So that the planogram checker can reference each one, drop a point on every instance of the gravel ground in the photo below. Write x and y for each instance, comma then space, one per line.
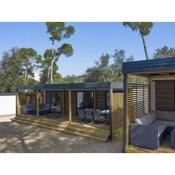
21, 138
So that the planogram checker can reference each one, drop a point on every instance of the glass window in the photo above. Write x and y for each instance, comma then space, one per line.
80, 100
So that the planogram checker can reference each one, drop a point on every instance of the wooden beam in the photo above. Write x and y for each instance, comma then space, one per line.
125, 113
18, 106
70, 105
62, 109
37, 103
111, 112
94, 93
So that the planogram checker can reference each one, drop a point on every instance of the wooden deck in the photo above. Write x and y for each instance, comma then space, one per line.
95, 131
164, 148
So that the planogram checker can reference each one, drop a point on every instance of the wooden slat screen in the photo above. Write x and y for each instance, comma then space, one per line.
138, 100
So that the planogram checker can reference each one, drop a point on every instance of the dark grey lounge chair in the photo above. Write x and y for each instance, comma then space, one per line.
148, 131
81, 114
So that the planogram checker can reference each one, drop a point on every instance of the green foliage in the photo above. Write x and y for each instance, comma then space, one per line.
143, 27
164, 52
12, 71
103, 71
59, 31
72, 79
29, 58
118, 58
119, 133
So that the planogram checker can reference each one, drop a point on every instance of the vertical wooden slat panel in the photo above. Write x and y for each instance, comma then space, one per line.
138, 100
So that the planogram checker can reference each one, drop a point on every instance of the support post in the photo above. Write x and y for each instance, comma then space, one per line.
44, 96
125, 113
111, 112
37, 103
70, 106
18, 106
94, 92
62, 102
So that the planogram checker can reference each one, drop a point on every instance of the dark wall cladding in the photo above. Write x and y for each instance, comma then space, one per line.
165, 95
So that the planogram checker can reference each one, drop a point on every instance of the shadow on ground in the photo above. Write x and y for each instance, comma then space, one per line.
21, 138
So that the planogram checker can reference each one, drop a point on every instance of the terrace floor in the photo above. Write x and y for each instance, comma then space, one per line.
165, 147
22, 138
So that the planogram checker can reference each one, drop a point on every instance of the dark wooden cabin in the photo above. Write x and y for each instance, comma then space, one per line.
68, 98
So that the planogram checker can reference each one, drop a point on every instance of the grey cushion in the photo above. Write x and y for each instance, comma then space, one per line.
161, 127
165, 115
147, 119
167, 123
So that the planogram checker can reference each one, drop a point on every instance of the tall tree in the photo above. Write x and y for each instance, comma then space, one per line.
119, 57
12, 71
28, 58
144, 28
164, 52
58, 31
101, 72
45, 62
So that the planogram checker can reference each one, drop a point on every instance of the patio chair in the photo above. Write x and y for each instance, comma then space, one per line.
81, 114
88, 114
98, 117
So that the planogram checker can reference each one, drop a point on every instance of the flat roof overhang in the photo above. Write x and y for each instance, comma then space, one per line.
74, 86
150, 67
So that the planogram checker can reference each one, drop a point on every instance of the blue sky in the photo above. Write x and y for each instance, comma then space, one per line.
89, 41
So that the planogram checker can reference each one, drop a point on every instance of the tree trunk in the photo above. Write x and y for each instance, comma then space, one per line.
25, 76
51, 67
48, 75
144, 46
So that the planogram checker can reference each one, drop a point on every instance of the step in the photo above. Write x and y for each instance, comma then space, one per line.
82, 127
96, 135
68, 127
53, 120
66, 130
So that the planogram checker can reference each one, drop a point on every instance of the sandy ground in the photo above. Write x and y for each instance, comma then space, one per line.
21, 138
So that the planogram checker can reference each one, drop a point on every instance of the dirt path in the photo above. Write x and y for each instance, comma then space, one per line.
21, 138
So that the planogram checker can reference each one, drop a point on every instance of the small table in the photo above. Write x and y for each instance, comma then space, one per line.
173, 137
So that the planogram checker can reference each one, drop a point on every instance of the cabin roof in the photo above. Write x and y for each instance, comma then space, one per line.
74, 86
154, 66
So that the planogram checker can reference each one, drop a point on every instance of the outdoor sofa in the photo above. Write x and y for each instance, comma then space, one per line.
148, 130
31, 109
